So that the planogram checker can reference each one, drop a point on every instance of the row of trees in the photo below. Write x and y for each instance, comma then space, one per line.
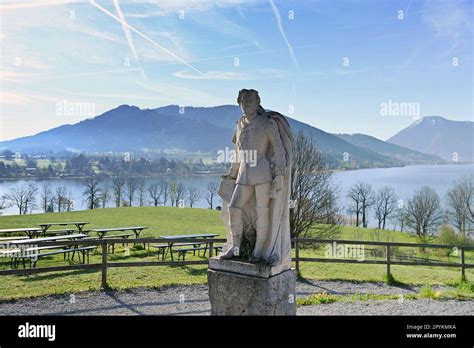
124, 192
422, 213
27, 198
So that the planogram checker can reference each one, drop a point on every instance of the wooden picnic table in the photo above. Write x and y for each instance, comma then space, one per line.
29, 231
79, 225
49, 239
171, 240
18, 251
103, 231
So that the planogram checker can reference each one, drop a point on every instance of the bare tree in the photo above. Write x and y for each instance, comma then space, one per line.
362, 198
16, 197
385, 205
61, 198
132, 186
92, 193
155, 191
313, 203
423, 213
30, 199
165, 189
400, 217
3, 204
176, 193
46, 195
23, 197
104, 196
459, 202
118, 184
212, 190
141, 192
69, 202
194, 195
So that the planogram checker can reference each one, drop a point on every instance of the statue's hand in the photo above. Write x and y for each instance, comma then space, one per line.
278, 182
273, 260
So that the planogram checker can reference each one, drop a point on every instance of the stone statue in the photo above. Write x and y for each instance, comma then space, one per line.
256, 191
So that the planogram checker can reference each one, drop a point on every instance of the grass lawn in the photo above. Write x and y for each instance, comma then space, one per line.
172, 221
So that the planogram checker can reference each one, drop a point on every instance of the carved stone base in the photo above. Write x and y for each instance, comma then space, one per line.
249, 289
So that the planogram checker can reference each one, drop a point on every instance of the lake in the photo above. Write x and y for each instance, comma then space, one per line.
405, 181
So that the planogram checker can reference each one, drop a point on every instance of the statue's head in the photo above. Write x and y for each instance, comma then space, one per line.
249, 101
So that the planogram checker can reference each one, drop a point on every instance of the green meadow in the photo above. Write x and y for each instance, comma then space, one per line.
173, 221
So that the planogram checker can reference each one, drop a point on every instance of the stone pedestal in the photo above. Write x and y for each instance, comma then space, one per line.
242, 288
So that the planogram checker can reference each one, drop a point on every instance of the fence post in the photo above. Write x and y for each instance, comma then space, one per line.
211, 247
104, 264
297, 257
463, 265
388, 262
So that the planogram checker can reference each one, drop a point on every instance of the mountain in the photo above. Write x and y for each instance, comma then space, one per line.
439, 136
332, 147
125, 128
188, 131
400, 153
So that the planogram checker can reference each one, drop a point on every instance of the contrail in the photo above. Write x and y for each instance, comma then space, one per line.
280, 26
128, 35
145, 37
125, 29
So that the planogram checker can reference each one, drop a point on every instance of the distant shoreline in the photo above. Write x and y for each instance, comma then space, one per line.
338, 170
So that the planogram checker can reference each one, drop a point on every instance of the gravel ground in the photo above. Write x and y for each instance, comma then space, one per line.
193, 300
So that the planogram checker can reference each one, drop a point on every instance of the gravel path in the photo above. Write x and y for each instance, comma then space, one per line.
193, 300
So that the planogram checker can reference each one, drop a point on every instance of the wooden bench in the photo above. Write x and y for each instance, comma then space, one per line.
122, 235
62, 231
7, 240
182, 251
19, 254
84, 251
162, 248
218, 249
35, 257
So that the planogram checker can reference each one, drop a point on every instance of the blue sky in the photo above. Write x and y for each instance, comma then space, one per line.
155, 53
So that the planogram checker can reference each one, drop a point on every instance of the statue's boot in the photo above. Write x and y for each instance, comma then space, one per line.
236, 229
263, 229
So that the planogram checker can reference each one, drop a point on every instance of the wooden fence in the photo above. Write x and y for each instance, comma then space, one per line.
297, 242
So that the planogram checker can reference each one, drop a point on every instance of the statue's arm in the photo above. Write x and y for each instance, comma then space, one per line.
235, 165
234, 168
279, 158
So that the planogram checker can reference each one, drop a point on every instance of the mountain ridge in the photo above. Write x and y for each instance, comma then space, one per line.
127, 128
451, 140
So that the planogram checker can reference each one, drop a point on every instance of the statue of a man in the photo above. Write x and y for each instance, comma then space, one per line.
256, 190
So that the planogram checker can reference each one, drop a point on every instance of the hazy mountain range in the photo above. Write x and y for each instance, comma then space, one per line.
437, 135
205, 130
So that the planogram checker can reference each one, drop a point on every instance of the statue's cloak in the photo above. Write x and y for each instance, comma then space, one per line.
278, 243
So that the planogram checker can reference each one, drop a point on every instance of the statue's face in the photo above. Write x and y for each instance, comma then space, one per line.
249, 105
